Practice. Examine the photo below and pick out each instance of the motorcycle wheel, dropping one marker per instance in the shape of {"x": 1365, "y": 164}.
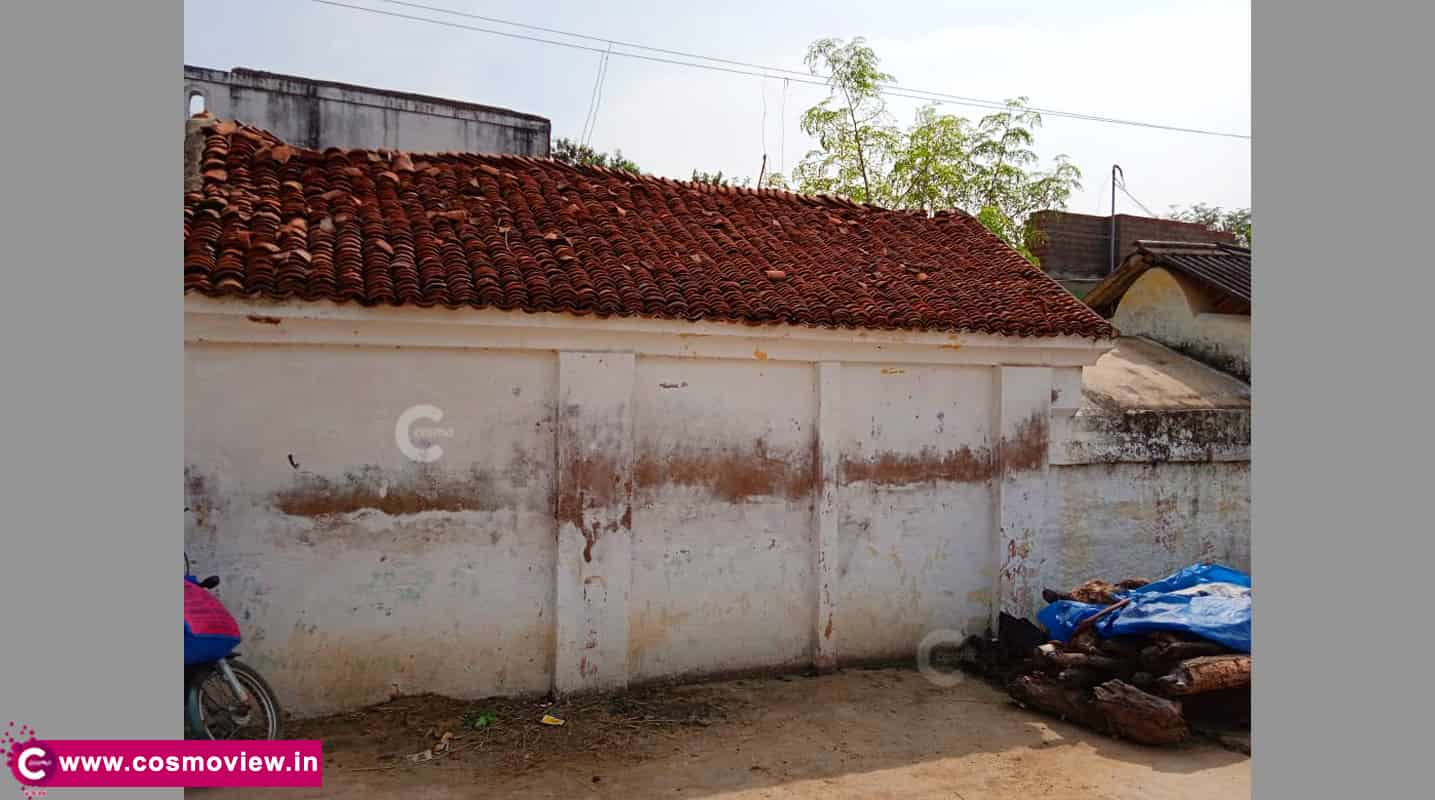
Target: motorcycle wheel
{"x": 214, "y": 712}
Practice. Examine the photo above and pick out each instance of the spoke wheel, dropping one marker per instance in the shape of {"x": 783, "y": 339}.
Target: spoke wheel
{"x": 222, "y": 715}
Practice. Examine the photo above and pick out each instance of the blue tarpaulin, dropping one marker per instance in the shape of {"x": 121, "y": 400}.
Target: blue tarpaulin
{"x": 1207, "y": 600}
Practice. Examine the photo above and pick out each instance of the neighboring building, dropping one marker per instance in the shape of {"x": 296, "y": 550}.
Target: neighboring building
{"x": 1075, "y": 249}
{"x": 1194, "y": 297}
{"x": 1153, "y": 468}
{"x": 491, "y": 424}
{"x": 320, "y": 114}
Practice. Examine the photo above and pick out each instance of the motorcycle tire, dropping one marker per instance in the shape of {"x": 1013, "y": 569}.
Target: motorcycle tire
{"x": 212, "y": 723}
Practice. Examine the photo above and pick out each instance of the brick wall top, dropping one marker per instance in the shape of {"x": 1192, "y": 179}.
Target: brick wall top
{"x": 1079, "y": 245}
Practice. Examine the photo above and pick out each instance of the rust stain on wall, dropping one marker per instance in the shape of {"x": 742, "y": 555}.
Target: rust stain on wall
{"x": 889, "y": 468}
{"x": 594, "y": 486}
{"x": 393, "y": 492}
{"x": 199, "y": 499}
{"x": 732, "y": 474}
{"x": 1027, "y": 448}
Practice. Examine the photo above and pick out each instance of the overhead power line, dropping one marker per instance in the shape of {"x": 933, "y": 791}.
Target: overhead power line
{"x": 890, "y": 90}
{"x": 1128, "y": 193}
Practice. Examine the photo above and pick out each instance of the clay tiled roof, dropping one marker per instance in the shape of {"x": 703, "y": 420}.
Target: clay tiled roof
{"x": 263, "y": 218}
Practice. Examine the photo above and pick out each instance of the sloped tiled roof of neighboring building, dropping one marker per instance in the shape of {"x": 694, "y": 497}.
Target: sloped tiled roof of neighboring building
{"x": 1222, "y": 268}
{"x": 264, "y": 219}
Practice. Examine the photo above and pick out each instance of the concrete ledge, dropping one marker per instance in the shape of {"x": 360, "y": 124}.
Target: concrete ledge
{"x": 1149, "y": 436}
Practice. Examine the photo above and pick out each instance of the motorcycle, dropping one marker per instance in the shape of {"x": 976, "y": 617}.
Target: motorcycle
{"x": 224, "y": 698}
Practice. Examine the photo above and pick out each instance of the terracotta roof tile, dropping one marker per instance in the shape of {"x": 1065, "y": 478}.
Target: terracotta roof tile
{"x": 509, "y": 232}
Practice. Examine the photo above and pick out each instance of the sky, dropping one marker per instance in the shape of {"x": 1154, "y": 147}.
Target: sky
{"x": 1173, "y": 63}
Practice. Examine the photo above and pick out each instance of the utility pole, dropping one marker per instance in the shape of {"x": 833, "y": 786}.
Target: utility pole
{"x": 1115, "y": 170}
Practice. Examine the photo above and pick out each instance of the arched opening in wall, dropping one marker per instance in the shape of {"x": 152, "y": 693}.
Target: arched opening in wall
{"x": 197, "y": 103}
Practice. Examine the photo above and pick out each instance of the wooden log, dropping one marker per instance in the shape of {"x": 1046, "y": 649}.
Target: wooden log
{"x": 1223, "y": 709}
{"x": 1207, "y": 674}
{"x": 1035, "y": 691}
{"x": 1162, "y": 657}
{"x": 1083, "y": 641}
{"x": 1140, "y": 716}
{"x": 1087, "y": 660}
{"x": 1081, "y": 677}
{"x": 1127, "y": 648}
{"x": 1181, "y": 651}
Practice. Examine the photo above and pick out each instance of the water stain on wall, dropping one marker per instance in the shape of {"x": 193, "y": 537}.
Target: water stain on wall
{"x": 1025, "y": 450}
{"x": 593, "y": 488}
{"x": 733, "y": 474}
{"x": 926, "y": 465}
{"x": 424, "y": 487}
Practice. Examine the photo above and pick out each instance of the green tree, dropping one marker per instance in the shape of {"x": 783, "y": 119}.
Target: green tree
{"x": 776, "y": 180}
{"x": 933, "y": 169}
{"x": 718, "y": 179}
{"x": 1236, "y": 220}
{"x": 570, "y": 152}
{"x": 773, "y": 180}
{"x": 855, "y": 135}
{"x": 988, "y": 168}
{"x": 1008, "y": 185}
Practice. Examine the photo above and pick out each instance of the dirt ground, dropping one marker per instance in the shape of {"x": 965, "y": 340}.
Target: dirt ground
{"x": 857, "y": 733}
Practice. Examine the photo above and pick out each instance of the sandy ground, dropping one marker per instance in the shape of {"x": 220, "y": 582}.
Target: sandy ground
{"x": 858, "y": 733}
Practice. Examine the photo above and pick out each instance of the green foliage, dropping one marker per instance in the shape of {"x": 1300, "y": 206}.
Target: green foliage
{"x": 1237, "y": 220}
{"x": 776, "y": 180}
{"x": 773, "y": 180}
{"x": 986, "y": 168}
{"x": 718, "y": 179}
{"x": 473, "y": 720}
{"x": 570, "y": 152}
{"x": 855, "y": 135}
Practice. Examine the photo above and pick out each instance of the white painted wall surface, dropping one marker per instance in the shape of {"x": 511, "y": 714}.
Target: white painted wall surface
{"x": 300, "y": 499}
{"x": 722, "y": 523}
{"x": 619, "y": 501}
{"x": 915, "y": 537}
{"x": 1173, "y": 310}
{"x": 1128, "y": 520}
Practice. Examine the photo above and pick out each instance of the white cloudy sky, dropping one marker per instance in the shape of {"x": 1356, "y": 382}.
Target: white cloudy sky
{"x": 1176, "y": 63}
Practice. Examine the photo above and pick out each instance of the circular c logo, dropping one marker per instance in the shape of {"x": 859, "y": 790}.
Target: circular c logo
{"x": 939, "y": 638}
{"x": 34, "y": 763}
{"x": 403, "y": 433}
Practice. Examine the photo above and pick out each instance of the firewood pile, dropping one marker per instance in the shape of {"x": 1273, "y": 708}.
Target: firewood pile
{"x": 1154, "y": 688}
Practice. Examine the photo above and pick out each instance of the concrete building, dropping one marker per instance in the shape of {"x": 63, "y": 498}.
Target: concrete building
{"x": 1075, "y": 249}
{"x": 486, "y": 425}
{"x": 319, "y": 114}
{"x": 1193, "y": 297}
